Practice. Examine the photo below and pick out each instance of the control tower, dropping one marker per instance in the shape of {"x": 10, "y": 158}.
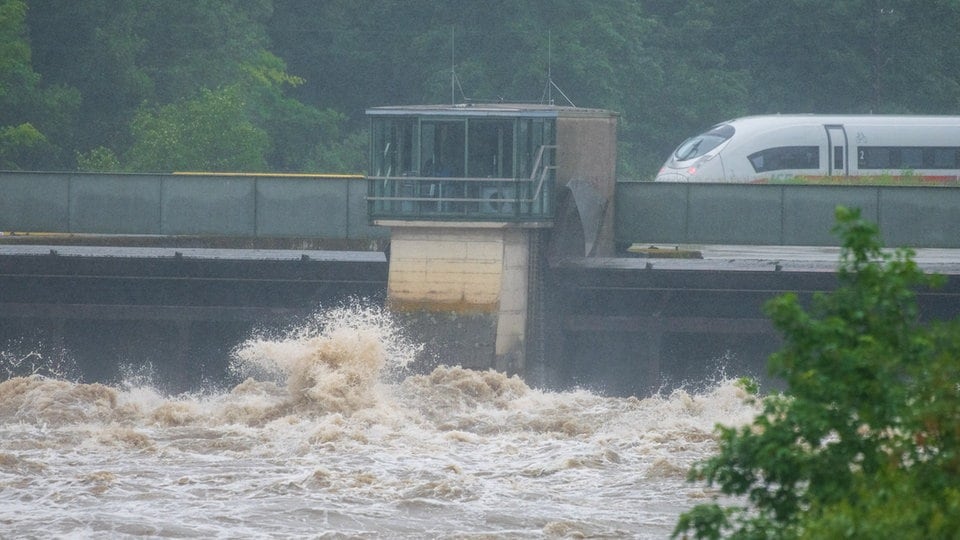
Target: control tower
{"x": 476, "y": 197}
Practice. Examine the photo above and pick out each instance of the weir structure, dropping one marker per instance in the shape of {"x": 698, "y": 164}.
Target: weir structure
{"x": 476, "y": 197}
{"x": 502, "y": 255}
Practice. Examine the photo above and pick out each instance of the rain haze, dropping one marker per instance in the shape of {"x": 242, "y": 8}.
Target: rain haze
{"x": 392, "y": 269}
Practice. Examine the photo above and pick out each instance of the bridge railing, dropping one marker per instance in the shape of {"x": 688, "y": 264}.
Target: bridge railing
{"x": 270, "y": 206}
{"x": 202, "y": 204}
{"x": 444, "y": 198}
{"x": 773, "y": 214}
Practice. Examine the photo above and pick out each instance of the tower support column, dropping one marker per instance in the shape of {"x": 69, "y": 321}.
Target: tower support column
{"x": 466, "y": 284}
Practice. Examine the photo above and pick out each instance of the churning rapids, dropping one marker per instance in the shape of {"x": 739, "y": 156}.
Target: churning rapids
{"x": 327, "y": 437}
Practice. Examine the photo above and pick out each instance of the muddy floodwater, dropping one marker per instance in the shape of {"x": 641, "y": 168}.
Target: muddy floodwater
{"x": 324, "y": 435}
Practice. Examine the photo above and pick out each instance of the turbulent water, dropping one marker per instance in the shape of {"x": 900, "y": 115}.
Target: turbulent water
{"x": 328, "y": 437}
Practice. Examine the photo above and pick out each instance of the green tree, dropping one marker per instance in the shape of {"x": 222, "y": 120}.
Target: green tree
{"x": 33, "y": 118}
{"x": 99, "y": 159}
{"x": 246, "y": 126}
{"x": 857, "y": 56}
{"x": 357, "y": 54}
{"x": 671, "y": 69}
{"x": 865, "y": 441}
{"x": 696, "y": 86}
{"x": 347, "y": 155}
{"x": 131, "y": 57}
{"x": 294, "y": 129}
{"x": 208, "y": 133}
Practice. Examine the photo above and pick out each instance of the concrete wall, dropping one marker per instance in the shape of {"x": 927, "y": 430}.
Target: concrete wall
{"x": 471, "y": 284}
{"x": 446, "y": 269}
{"x": 587, "y": 149}
{"x": 35, "y": 202}
{"x": 88, "y": 312}
{"x": 263, "y": 206}
{"x": 512, "y": 319}
{"x": 754, "y": 214}
{"x": 164, "y": 204}
{"x": 587, "y": 152}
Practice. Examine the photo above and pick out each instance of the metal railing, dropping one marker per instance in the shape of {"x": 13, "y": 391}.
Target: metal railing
{"x": 413, "y": 197}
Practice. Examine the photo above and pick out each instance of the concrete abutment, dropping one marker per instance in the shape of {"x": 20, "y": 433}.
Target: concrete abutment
{"x": 466, "y": 289}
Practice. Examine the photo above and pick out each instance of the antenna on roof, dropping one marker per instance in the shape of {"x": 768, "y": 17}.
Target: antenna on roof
{"x": 454, "y": 80}
{"x": 453, "y": 67}
{"x": 548, "y": 90}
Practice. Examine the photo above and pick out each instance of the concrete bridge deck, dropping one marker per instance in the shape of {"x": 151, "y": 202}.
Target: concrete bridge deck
{"x": 109, "y": 282}
{"x": 722, "y": 292}
{"x": 622, "y": 325}
{"x": 653, "y": 322}
{"x": 661, "y": 257}
{"x": 730, "y": 258}
{"x": 194, "y": 253}
{"x": 88, "y": 311}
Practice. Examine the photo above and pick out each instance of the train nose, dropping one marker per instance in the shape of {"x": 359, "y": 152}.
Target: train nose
{"x": 670, "y": 177}
{"x": 669, "y": 174}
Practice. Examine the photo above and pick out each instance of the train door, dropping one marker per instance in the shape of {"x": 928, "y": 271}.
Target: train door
{"x": 838, "y": 162}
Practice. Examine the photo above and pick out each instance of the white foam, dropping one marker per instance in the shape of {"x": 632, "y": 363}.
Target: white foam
{"x": 320, "y": 437}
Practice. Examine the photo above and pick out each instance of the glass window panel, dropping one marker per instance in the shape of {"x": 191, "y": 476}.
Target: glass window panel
{"x": 490, "y": 149}
{"x": 786, "y": 158}
{"x": 907, "y": 157}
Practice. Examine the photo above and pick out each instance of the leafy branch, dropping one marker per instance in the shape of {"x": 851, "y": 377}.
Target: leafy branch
{"x": 865, "y": 440}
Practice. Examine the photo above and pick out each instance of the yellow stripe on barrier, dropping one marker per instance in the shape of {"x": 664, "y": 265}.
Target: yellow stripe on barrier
{"x": 332, "y": 176}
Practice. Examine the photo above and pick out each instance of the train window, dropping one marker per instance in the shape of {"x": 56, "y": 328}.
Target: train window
{"x": 908, "y": 157}
{"x": 695, "y": 147}
{"x": 785, "y": 158}
{"x": 940, "y": 158}
{"x": 873, "y": 158}
{"x": 911, "y": 158}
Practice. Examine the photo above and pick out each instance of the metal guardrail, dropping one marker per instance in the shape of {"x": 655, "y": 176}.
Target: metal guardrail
{"x": 789, "y": 214}
{"x": 215, "y": 204}
{"x": 267, "y": 207}
{"x": 466, "y": 198}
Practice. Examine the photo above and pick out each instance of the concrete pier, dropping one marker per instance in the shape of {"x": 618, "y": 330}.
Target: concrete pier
{"x": 471, "y": 194}
{"x": 477, "y": 273}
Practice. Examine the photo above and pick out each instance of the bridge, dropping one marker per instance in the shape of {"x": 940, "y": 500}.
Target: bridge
{"x": 498, "y": 234}
{"x": 249, "y": 260}
{"x": 271, "y": 210}
{"x": 210, "y": 205}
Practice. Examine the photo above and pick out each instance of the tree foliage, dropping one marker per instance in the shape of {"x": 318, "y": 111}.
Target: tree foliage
{"x": 865, "y": 441}
{"x": 33, "y": 118}
{"x": 309, "y": 69}
{"x": 209, "y": 133}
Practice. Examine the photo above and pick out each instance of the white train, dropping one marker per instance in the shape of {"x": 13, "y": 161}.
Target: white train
{"x": 765, "y": 148}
